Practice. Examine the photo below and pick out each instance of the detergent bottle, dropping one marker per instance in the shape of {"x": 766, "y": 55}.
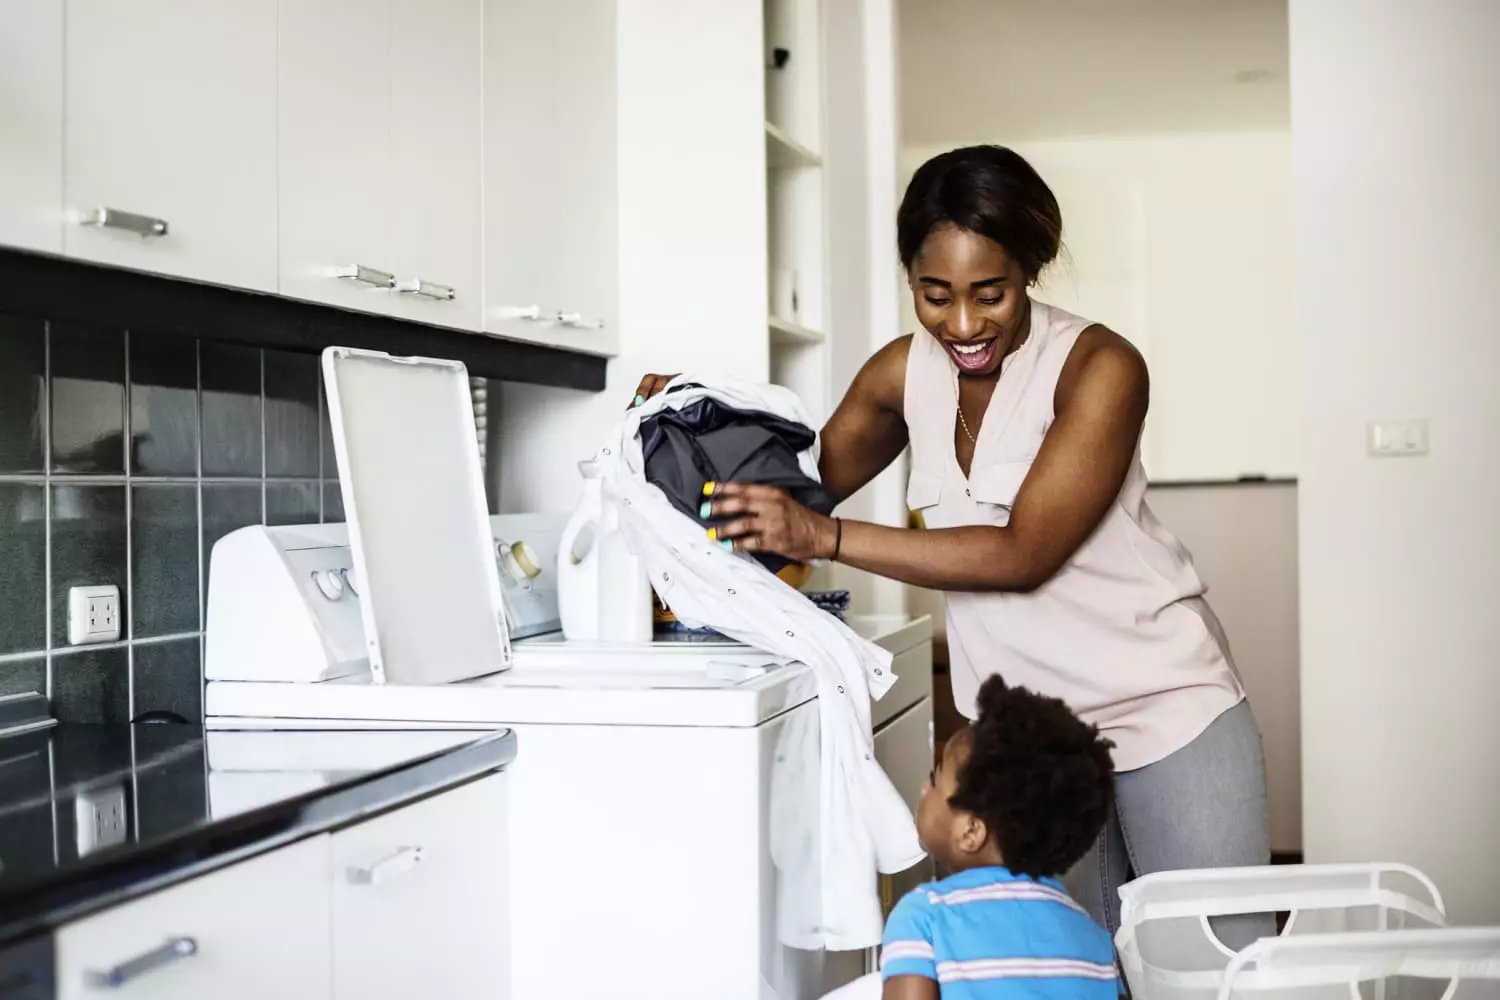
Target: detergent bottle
{"x": 603, "y": 590}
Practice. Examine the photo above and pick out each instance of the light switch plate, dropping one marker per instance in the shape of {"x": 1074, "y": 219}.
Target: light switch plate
{"x": 1397, "y": 438}
{"x": 93, "y": 615}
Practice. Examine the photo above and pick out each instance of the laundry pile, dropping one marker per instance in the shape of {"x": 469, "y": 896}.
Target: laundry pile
{"x": 654, "y": 465}
{"x": 710, "y": 440}
{"x": 833, "y": 602}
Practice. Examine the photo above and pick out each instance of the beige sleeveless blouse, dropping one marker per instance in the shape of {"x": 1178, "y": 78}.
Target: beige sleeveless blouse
{"x": 1122, "y": 633}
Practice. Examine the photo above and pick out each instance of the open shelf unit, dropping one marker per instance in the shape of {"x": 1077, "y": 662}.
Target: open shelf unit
{"x": 796, "y": 207}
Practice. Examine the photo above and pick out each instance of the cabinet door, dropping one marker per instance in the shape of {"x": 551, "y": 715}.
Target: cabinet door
{"x": 904, "y": 749}
{"x": 520, "y": 42}
{"x": 435, "y": 208}
{"x": 334, "y": 152}
{"x": 255, "y": 930}
{"x": 31, "y": 123}
{"x": 420, "y": 899}
{"x": 550, "y": 199}
{"x": 171, "y": 116}
{"x": 583, "y": 216}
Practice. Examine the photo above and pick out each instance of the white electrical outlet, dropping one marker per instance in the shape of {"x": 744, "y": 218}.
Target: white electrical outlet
{"x": 99, "y": 815}
{"x": 93, "y": 615}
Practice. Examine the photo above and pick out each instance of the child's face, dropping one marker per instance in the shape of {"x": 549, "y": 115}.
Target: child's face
{"x": 955, "y": 839}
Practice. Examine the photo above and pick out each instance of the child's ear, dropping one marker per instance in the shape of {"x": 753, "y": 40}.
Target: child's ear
{"x": 972, "y": 833}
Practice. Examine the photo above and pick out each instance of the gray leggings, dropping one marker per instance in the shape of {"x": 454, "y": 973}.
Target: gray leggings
{"x": 1201, "y": 807}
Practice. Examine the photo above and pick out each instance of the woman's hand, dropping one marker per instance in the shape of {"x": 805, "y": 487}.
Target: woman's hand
{"x": 767, "y": 519}
{"x": 650, "y": 386}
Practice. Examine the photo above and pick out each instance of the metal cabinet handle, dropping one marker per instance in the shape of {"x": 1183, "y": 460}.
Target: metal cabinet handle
{"x": 174, "y": 950}
{"x": 365, "y": 275}
{"x": 130, "y": 222}
{"x": 577, "y": 322}
{"x": 429, "y": 289}
{"x": 399, "y": 863}
{"x": 518, "y": 312}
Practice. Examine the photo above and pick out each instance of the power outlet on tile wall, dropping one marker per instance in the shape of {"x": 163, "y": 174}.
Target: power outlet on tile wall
{"x": 93, "y": 615}
{"x": 99, "y": 815}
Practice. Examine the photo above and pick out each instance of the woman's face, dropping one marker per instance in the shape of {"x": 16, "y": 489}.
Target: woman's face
{"x": 971, "y": 296}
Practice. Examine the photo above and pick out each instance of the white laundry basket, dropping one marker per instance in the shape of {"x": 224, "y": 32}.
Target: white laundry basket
{"x": 1445, "y": 964}
{"x": 1168, "y": 949}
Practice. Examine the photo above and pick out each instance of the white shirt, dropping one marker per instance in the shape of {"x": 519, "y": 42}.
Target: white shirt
{"x": 865, "y": 826}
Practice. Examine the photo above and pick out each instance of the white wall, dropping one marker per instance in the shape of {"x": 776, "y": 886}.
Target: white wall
{"x": 864, "y": 281}
{"x": 1182, "y": 243}
{"x": 1244, "y": 542}
{"x": 692, "y": 244}
{"x": 1396, "y": 139}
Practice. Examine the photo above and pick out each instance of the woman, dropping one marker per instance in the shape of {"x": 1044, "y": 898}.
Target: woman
{"x": 1024, "y": 425}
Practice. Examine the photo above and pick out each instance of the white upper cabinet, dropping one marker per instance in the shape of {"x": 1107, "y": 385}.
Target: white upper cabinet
{"x": 333, "y": 151}
{"x": 585, "y": 260}
{"x": 452, "y": 162}
{"x": 170, "y": 137}
{"x": 434, "y": 207}
{"x": 379, "y": 153}
{"x": 550, "y": 184}
{"x": 31, "y": 121}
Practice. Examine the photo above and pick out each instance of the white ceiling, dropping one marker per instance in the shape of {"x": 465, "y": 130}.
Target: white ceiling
{"x": 1012, "y": 70}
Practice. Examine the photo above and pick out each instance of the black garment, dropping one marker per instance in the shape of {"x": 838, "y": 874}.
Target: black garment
{"x": 709, "y": 442}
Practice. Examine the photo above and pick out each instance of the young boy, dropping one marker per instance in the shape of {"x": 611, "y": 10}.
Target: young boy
{"x": 1019, "y": 797}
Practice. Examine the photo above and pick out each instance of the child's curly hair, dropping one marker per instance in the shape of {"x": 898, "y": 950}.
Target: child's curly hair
{"x": 1040, "y": 778}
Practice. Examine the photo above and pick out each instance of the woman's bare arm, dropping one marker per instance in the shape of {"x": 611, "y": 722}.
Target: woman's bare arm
{"x": 1101, "y": 403}
{"x": 1102, "y": 399}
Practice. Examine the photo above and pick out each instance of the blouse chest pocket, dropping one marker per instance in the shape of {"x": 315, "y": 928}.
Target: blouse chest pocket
{"x": 995, "y": 487}
{"x": 923, "y": 491}
{"x": 924, "y": 494}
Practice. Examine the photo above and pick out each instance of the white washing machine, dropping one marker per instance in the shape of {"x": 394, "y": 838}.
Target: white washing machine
{"x": 663, "y": 832}
{"x": 664, "y": 802}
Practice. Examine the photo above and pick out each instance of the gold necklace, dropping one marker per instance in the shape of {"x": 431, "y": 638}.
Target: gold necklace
{"x": 959, "y": 405}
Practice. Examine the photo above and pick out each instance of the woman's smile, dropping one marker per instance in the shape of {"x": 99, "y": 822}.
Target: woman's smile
{"x": 974, "y": 357}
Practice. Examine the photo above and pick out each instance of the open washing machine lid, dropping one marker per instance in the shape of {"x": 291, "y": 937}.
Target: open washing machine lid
{"x": 418, "y": 521}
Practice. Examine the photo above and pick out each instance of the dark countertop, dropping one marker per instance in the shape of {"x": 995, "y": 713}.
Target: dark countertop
{"x": 175, "y": 827}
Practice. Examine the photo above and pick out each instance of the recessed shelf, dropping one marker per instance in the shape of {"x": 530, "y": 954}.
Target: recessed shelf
{"x": 784, "y": 331}
{"x": 784, "y": 152}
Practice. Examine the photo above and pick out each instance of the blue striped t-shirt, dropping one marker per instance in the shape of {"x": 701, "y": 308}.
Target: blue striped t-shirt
{"x": 985, "y": 933}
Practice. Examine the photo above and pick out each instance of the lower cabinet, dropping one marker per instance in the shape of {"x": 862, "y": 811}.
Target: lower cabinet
{"x": 410, "y": 903}
{"x": 904, "y": 748}
{"x": 420, "y": 900}
{"x": 255, "y": 930}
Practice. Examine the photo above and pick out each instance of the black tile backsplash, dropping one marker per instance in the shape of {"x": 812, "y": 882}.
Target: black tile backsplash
{"x": 164, "y": 406}
{"x": 92, "y": 685}
{"x": 87, "y": 390}
{"x": 166, "y": 678}
{"x": 23, "y": 562}
{"x": 292, "y": 503}
{"x": 291, "y": 421}
{"x": 29, "y": 674}
{"x": 231, "y": 379}
{"x": 221, "y": 436}
{"x": 164, "y": 558}
{"x": 23, "y": 407}
{"x": 89, "y": 543}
